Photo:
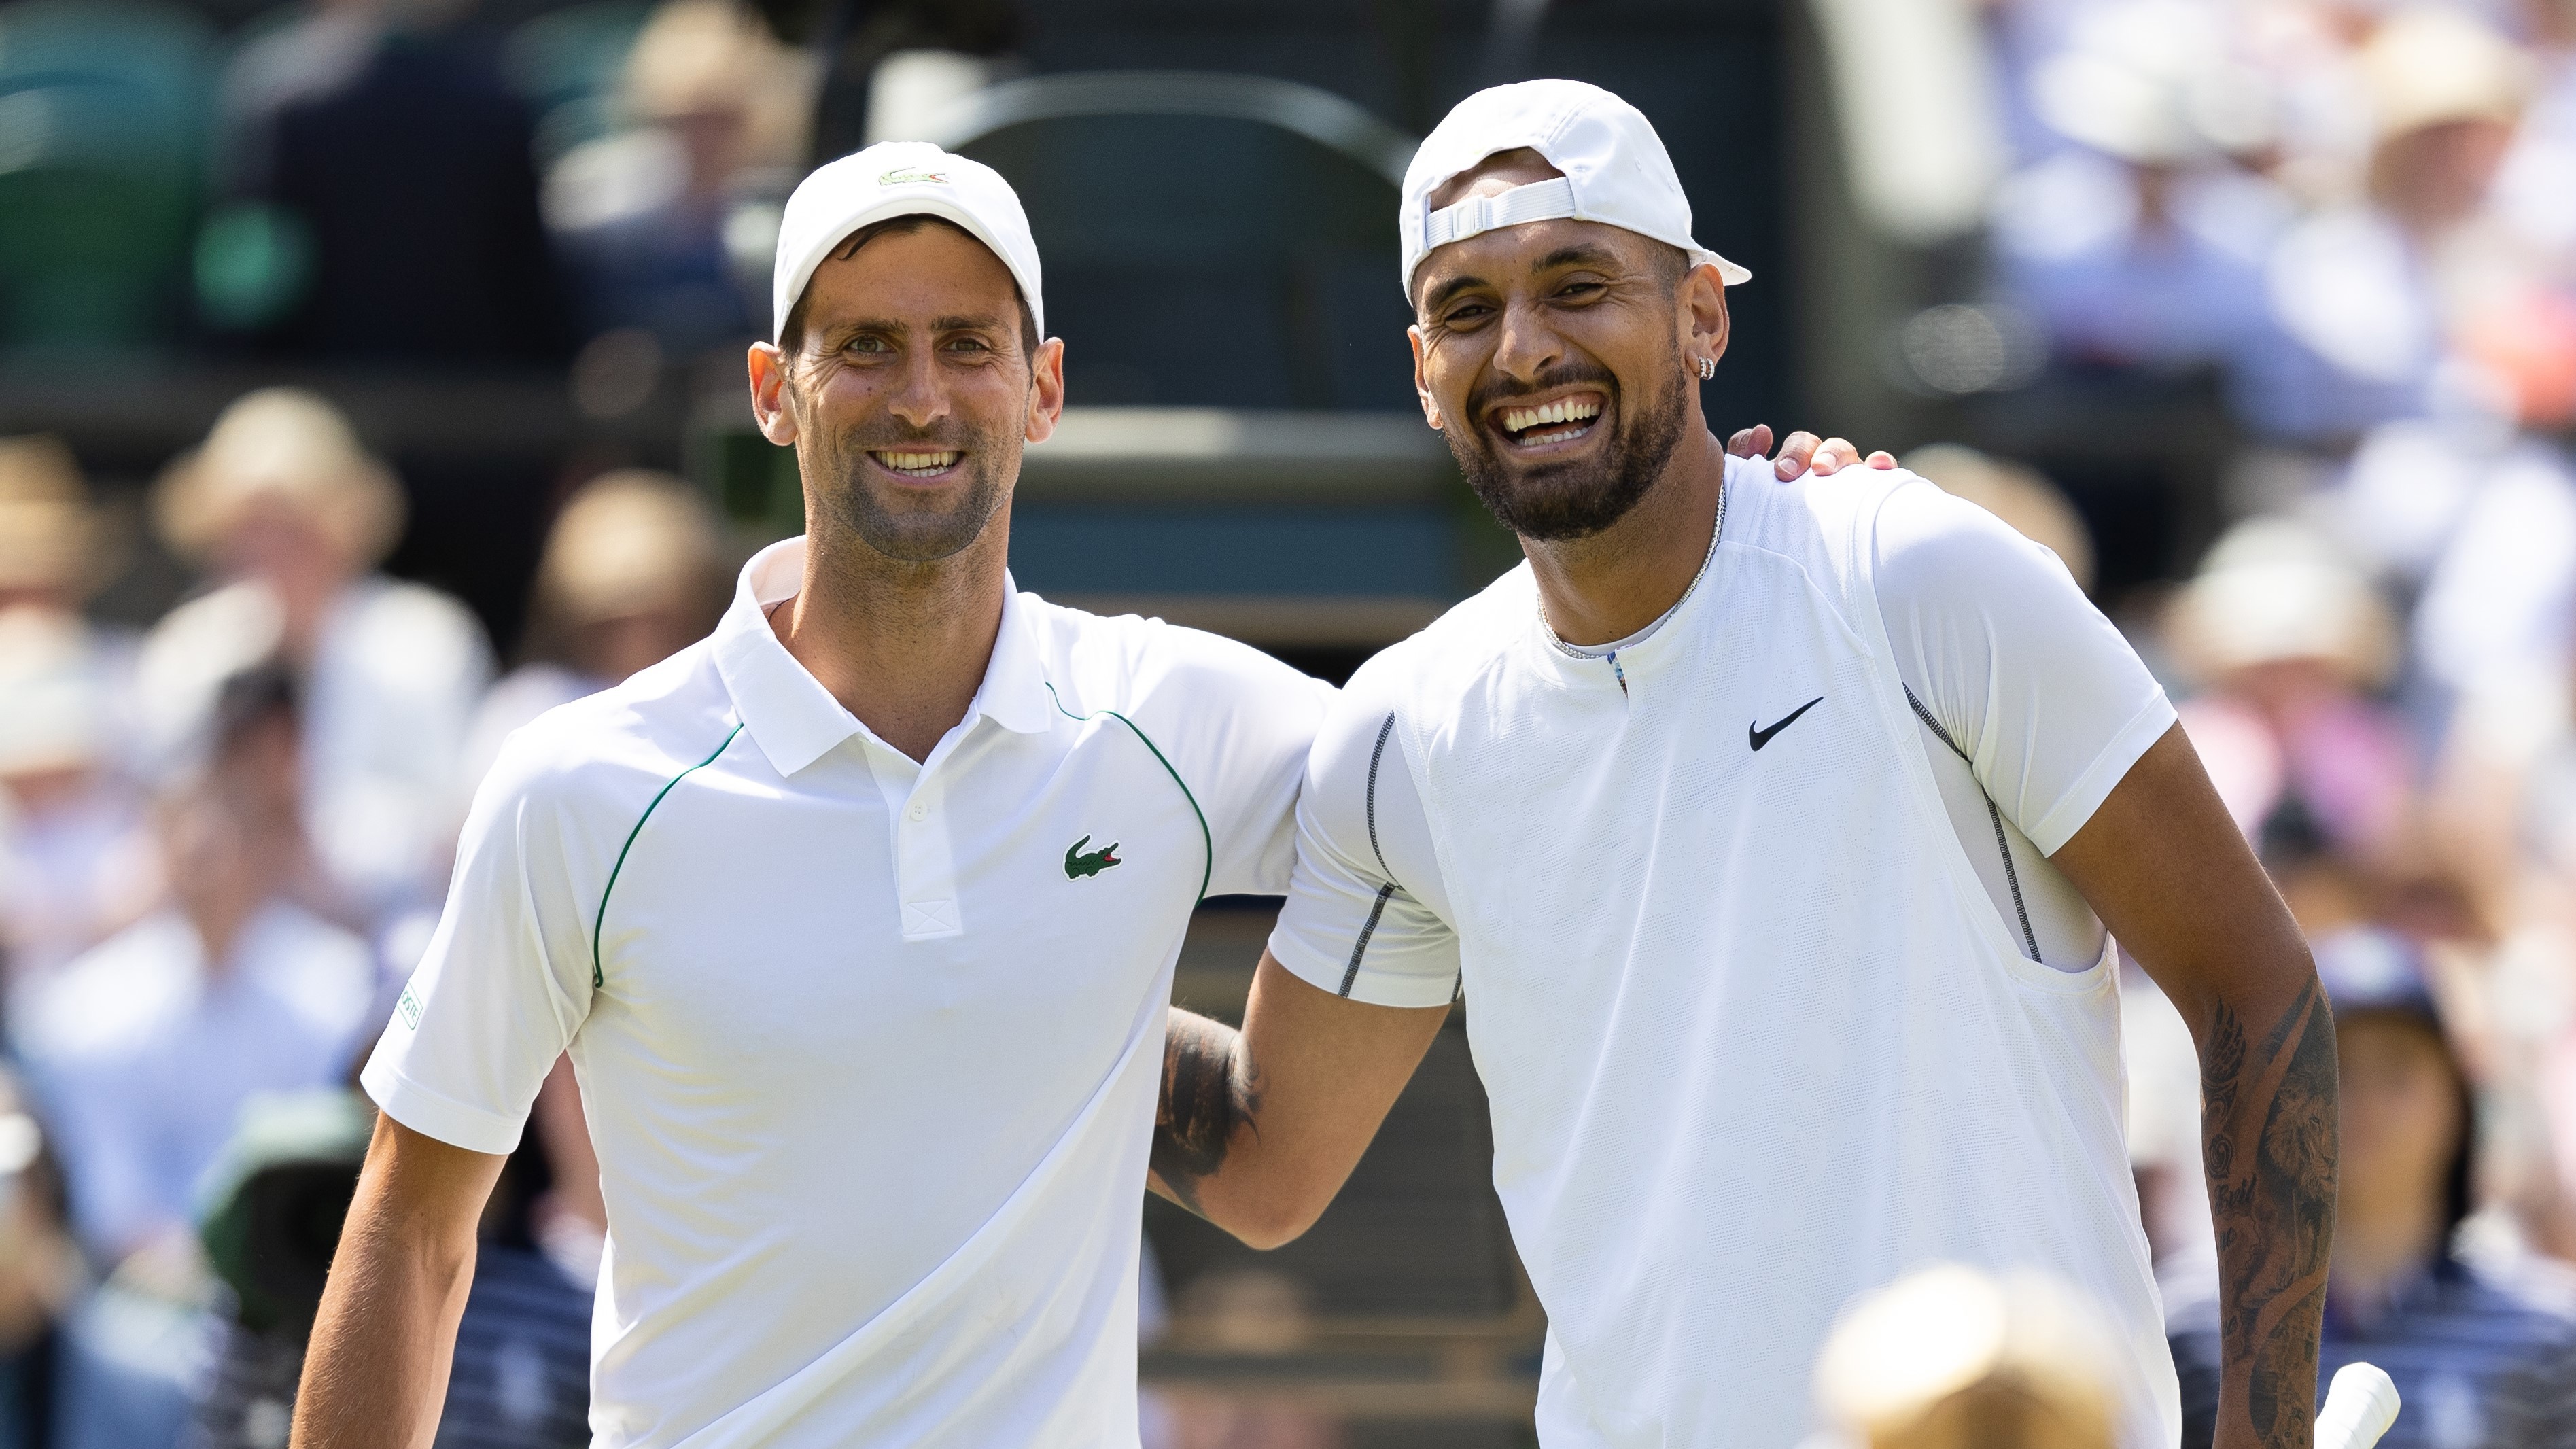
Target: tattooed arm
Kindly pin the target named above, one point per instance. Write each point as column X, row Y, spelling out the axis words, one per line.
column 1258, row 1129
column 2169, row 873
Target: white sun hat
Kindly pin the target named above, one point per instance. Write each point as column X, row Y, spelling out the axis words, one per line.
column 901, row 178
column 1615, row 169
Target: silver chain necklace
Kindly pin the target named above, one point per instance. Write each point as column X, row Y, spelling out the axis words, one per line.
column 1715, row 533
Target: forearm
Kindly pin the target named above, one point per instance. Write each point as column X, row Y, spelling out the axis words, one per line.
column 1211, row 1095
column 2268, row 1122
column 375, row 1372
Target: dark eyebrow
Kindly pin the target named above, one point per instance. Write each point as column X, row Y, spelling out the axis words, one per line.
column 1449, row 289
column 965, row 324
column 1578, row 255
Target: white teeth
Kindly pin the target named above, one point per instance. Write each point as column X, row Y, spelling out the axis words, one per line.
column 918, row 463
column 1570, row 410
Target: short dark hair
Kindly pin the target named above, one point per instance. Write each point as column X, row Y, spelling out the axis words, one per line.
column 791, row 337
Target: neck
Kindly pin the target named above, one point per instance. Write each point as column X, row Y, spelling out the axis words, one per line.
column 2381, row 1238
column 1609, row 585
column 902, row 646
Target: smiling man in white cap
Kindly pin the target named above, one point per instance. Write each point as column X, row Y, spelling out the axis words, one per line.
column 1771, row 833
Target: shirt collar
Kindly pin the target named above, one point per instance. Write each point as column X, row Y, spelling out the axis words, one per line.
column 789, row 713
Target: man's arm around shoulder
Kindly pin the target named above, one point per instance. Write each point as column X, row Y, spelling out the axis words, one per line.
column 375, row 1373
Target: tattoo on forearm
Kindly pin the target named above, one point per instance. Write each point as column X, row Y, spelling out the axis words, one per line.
column 1209, row 1089
column 2274, row 1208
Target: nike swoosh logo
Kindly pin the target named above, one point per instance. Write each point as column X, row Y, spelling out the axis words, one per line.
column 1761, row 737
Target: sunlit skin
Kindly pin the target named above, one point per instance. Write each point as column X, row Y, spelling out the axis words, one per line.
column 2401, row 1126
column 1573, row 312
column 908, row 402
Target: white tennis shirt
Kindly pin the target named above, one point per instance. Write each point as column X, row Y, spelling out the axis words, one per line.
column 1767, row 982
column 869, row 1049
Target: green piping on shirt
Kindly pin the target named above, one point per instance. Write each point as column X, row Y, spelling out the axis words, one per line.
column 599, row 923
column 1206, row 875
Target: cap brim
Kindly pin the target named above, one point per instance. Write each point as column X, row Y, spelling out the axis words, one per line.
column 1727, row 272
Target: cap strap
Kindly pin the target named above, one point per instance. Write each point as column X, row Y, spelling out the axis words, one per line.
column 1538, row 201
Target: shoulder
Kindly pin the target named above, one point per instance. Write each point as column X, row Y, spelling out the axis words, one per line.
column 611, row 750
column 1821, row 526
column 1127, row 663
column 1447, row 658
column 1928, row 544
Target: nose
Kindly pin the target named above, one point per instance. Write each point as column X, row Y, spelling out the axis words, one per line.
column 921, row 397
column 1528, row 347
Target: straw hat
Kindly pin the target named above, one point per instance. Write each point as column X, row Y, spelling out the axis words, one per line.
column 1953, row 1358
column 2430, row 67
column 281, row 444
column 2273, row 590
column 2020, row 497
column 630, row 541
column 48, row 534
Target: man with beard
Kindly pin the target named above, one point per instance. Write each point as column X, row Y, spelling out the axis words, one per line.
column 1766, row 1018
column 857, row 918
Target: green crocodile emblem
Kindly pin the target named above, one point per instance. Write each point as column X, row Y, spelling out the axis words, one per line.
column 1077, row 865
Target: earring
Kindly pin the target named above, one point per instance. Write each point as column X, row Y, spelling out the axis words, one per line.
column 1707, row 368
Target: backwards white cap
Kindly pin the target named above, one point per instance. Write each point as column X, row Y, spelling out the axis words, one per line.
column 1615, row 169
column 901, row 178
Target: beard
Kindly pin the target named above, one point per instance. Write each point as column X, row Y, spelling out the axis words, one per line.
column 1577, row 497
column 912, row 528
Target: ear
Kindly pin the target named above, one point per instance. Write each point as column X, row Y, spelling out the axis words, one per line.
column 1046, row 387
column 769, row 409
column 1421, row 382
column 1703, row 300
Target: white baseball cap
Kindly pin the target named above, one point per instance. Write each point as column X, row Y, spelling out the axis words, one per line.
column 901, row 178
column 1615, row 169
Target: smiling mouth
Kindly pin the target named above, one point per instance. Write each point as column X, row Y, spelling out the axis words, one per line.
column 1560, row 421
column 917, row 465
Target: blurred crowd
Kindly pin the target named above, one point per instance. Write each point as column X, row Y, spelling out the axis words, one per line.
column 2359, row 217
column 222, row 845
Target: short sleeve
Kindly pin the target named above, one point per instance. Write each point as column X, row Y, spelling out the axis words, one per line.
column 2024, row 676
column 1235, row 726
column 506, row 980
column 1366, row 910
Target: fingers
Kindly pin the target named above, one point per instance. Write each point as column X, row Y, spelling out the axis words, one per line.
column 1882, row 459
column 1750, row 442
column 1836, row 455
column 1795, row 454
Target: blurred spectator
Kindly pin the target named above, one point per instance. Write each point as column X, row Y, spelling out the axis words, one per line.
column 2287, row 641
column 635, row 570
column 384, row 234
column 40, row 1276
column 1951, row 1358
column 146, row 1047
column 663, row 222
column 2145, row 247
column 2372, row 288
column 286, row 510
column 74, row 861
column 2402, row 1292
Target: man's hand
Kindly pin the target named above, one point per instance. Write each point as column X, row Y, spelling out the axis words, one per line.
column 2168, row 872
column 1803, row 453
column 376, row 1371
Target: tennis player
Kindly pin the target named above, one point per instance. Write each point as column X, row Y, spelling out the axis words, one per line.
column 857, row 918
column 1770, row 834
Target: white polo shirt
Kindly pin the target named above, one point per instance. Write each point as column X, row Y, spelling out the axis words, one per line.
column 869, row 1049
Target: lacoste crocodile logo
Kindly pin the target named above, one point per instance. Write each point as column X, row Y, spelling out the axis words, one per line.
column 901, row 176
column 1077, row 865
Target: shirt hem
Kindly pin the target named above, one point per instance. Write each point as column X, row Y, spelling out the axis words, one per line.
column 2108, row 769
column 434, row 1115
column 1372, row 987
